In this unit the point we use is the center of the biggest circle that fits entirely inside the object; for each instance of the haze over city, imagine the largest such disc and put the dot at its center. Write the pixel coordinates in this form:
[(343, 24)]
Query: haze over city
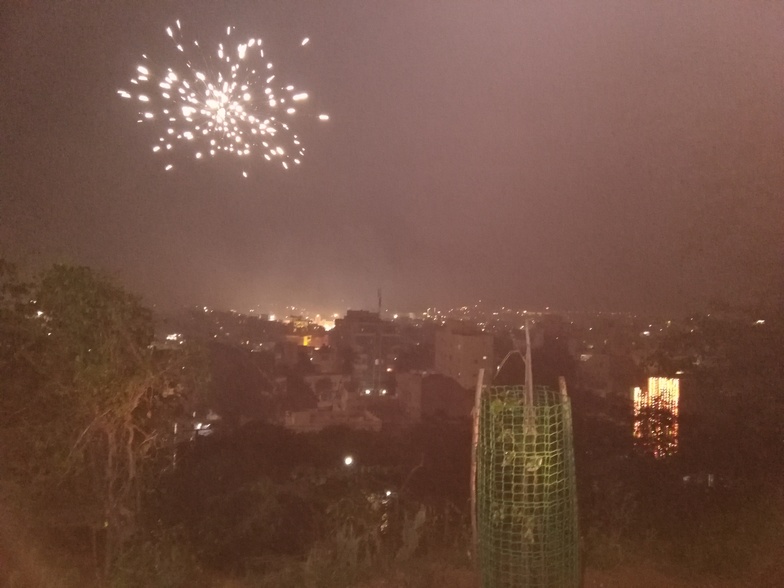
[(579, 155), (400, 293)]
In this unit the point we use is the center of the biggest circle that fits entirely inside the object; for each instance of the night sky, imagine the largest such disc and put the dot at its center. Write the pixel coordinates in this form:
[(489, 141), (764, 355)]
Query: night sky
[(582, 155)]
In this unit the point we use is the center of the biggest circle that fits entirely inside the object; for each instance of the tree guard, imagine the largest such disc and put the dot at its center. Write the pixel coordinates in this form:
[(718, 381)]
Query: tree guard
[(526, 491)]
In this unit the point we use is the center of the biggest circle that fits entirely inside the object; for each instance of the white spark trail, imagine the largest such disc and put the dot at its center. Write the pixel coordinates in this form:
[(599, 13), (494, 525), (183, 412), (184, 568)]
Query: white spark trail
[(224, 106)]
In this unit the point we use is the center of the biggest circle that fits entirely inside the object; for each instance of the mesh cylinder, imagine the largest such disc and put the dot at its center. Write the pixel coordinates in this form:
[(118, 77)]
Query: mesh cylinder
[(526, 491)]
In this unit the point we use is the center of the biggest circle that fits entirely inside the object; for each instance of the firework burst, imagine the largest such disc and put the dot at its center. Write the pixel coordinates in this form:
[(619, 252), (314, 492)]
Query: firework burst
[(227, 102)]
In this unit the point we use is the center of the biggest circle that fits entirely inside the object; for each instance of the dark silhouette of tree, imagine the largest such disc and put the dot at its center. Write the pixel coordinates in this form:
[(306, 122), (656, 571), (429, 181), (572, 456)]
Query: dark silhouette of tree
[(89, 403)]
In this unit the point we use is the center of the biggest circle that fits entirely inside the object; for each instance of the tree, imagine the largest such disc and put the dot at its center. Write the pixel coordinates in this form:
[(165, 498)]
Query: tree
[(733, 404), (90, 402)]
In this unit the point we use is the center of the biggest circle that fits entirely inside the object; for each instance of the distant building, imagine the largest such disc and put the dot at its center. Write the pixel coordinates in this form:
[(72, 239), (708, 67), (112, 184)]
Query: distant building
[(315, 341), (656, 416), (461, 350), (433, 396), (324, 360), (314, 420), (291, 353), (297, 321), (334, 408), (409, 393), (330, 390), (368, 346), (595, 374), (607, 375)]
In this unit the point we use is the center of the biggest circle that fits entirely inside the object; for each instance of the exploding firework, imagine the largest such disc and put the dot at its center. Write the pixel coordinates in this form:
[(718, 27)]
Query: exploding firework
[(227, 102)]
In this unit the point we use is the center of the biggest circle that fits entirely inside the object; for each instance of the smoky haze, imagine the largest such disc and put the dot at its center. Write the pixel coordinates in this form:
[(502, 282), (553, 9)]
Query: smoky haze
[(594, 155)]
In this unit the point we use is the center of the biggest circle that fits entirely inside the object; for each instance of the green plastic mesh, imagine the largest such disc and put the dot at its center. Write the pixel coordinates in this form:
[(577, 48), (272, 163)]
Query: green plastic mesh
[(526, 492)]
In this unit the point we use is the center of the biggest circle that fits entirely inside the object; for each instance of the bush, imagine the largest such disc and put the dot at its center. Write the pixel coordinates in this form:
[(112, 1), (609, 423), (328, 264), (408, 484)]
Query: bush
[(161, 560)]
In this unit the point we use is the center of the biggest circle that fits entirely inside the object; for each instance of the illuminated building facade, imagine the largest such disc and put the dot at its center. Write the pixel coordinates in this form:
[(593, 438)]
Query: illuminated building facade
[(461, 351), (656, 416)]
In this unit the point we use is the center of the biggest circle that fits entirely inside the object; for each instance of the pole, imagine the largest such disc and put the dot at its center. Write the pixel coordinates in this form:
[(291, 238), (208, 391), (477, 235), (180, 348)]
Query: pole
[(377, 359), (474, 451), (529, 377)]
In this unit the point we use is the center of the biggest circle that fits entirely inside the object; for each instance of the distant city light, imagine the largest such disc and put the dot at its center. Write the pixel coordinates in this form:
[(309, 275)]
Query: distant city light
[(348, 460), (759, 322)]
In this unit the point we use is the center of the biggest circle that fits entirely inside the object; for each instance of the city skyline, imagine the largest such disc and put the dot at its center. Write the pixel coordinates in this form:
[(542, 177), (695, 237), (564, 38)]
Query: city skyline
[(586, 156)]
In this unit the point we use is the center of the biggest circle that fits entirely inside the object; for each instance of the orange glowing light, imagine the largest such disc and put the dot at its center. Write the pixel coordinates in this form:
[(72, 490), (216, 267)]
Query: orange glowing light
[(656, 416)]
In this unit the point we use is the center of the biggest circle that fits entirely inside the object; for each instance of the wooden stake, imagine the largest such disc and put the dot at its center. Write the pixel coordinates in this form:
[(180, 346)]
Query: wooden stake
[(474, 451), (529, 376)]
